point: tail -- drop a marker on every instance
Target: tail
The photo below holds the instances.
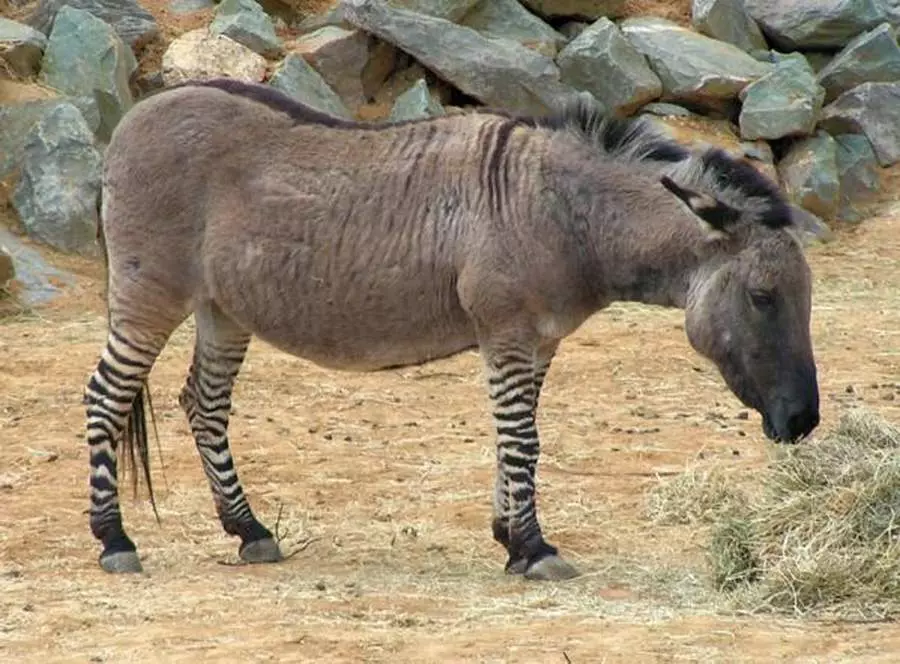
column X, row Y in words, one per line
column 134, row 437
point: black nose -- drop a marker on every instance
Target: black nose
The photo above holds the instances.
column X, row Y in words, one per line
column 787, row 425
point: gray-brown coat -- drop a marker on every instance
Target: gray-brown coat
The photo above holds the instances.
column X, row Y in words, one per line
column 363, row 247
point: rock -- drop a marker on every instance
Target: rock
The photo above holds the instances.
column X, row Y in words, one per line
column 873, row 56
column 39, row 282
column 872, row 109
column 666, row 110
column 333, row 17
column 757, row 151
column 200, row 55
column 496, row 72
column 451, row 10
column 785, row 102
column 584, row 9
column 812, row 229
column 188, row 6
column 507, row 19
column 601, row 61
column 760, row 155
column 56, row 196
column 245, row 22
column 15, row 122
column 571, row 29
column 415, row 103
column 7, row 268
column 728, row 21
column 693, row 68
column 134, row 24
column 809, row 174
column 798, row 24
column 296, row 77
column 352, row 63
column 21, row 47
column 86, row 58
column 858, row 172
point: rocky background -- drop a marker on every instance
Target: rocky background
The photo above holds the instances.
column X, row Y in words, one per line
column 809, row 90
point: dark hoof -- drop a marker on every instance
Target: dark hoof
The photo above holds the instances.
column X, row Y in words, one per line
column 261, row 551
column 550, row 568
column 121, row 562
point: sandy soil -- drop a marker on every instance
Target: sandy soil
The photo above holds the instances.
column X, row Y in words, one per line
column 385, row 478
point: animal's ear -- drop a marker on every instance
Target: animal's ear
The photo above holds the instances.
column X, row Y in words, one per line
column 717, row 217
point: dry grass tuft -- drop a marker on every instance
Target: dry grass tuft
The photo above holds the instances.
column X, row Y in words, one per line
column 695, row 496
column 823, row 534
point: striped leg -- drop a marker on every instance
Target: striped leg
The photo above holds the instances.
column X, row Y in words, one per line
column 206, row 399
column 111, row 392
column 542, row 359
column 512, row 384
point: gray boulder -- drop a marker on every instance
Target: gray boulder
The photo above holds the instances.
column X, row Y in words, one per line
column 15, row 122
column 584, row 9
column 798, row 24
column 871, row 57
column 7, row 268
column 809, row 174
column 134, row 24
column 872, row 109
column 693, row 68
column 601, row 61
column 666, row 110
column 56, row 196
column 496, row 72
column 507, row 19
column 247, row 23
column 39, row 281
column 451, row 10
column 858, row 172
column 296, row 77
column 188, row 6
column 86, row 58
column 21, row 47
column 812, row 229
column 351, row 62
column 728, row 21
column 415, row 103
column 783, row 103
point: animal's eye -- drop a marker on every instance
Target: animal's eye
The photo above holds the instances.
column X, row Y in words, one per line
column 762, row 299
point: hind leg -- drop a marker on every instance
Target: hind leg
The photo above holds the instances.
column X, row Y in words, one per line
column 206, row 399
column 109, row 396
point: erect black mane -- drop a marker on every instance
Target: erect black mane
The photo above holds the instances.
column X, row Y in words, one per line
column 627, row 138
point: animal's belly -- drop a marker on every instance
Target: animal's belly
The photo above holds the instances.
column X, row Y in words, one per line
column 358, row 326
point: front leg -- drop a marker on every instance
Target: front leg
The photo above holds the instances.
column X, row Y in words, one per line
column 512, row 386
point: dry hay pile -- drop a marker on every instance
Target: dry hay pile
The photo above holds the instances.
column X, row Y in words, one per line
column 818, row 530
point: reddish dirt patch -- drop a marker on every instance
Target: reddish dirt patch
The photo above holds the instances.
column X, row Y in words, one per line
column 678, row 11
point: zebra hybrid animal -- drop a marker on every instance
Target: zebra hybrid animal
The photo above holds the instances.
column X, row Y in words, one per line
column 364, row 247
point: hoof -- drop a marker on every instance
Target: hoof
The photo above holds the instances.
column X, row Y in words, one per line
column 121, row 562
column 517, row 566
column 550, row 568
column 261, row 551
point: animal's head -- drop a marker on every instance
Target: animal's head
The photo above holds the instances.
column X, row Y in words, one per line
column 748, row 309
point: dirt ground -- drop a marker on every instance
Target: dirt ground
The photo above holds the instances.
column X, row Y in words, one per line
column 386, row 479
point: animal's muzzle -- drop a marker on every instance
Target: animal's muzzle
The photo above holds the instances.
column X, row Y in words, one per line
column 788, row 423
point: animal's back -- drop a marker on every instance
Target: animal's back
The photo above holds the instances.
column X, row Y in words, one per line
column 341, row 248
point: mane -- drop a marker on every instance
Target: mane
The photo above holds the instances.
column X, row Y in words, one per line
column 711, row 170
